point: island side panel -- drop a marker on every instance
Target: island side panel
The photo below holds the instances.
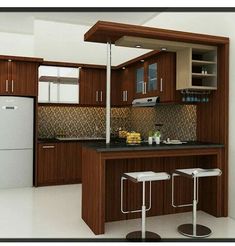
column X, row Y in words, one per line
column 161, row 196
column 211, row 193
column 93, row 190
column 212, row 117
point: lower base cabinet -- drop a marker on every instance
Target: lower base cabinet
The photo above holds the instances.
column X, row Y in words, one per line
column 58, row 163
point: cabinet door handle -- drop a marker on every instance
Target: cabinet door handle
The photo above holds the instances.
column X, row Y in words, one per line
column 7, row 85
column 48, row 147
column 145, row 88
column 143, row 85
column 123, row 96
column 161, row 88
column 96, row 96
column 126, row 96
column 101, row 96
column 12, row 85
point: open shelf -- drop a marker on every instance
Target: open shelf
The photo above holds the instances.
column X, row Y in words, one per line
column 202, row 75
column 201, row 63
column 197, row 68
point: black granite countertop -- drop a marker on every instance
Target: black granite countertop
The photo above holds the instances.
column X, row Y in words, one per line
column 81, row 139
column 122, row 146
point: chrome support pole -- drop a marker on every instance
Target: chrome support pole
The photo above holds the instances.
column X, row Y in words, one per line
column 195, row 206
column 143, row 212
column 108, row 89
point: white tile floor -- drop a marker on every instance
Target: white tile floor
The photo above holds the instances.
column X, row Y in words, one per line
column 55, row 212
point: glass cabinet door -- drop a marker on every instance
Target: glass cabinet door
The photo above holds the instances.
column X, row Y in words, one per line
column 152, row 77
column 139, row 79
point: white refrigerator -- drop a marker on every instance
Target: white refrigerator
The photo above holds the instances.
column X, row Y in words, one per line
column 16, row 141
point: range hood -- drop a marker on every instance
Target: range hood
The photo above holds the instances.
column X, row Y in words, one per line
column 146, row 102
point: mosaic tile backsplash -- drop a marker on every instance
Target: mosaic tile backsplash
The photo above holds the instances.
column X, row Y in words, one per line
column 179, row 121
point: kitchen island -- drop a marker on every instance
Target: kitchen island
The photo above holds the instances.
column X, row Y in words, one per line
column 103, row 165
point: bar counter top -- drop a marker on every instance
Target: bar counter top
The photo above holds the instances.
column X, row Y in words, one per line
column 121, row 146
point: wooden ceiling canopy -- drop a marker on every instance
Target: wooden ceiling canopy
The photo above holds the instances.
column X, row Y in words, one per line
column 103, row 32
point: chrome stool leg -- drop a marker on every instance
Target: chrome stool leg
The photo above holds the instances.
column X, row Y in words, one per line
column 194, row 230
column 142, row 235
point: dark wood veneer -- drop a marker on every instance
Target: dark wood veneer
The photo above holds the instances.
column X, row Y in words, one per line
column 101, row 172
column 104, row 32
column 61, row 163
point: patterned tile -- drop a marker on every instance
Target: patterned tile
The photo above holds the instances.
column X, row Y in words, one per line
column 179, row 121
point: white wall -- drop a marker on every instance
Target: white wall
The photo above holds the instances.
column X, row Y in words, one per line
column 16, row 44
column 221, row 24
column 64, row 42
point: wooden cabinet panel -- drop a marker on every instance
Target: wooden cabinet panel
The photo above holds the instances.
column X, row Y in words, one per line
column 115, row 88
column 18, row 78
column 122, row 87
column 69, row 163
column 102, row 87
column 92, row 86
column 24, row 78
column 47, row 164
column 127, row 85
column 85, row 86
column 4, row 77
column 167, row 77
column 59, row 163
column 163, row 84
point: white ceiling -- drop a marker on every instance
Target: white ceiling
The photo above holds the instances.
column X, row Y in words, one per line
column 20, row 22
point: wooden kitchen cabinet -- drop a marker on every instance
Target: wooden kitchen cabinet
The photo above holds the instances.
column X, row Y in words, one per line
column 167, row 75
column 47, row 169
column 92, row 86
column 4, row 83
column 24, row 78
column 18, row 77
column 115, row 88
column 69, row 163
column 156, row 77
column 122, row 88
column 59, row 163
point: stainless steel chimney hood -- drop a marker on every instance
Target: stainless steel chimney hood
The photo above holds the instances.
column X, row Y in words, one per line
column 146, row 102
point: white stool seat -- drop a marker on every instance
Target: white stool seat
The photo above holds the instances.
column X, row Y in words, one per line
column 199, row 172
column 146, row 176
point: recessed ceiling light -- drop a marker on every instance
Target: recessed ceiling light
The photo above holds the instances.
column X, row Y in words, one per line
column 123, row 68
column 142, row 60
column 138, row 46
column 163, row 49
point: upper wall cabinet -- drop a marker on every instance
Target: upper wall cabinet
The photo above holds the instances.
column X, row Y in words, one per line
column 156, row 77
column 146, row 78
column 122, row 86
column 18, row 77
column 197, row 68
column 58, row 84
column 93, row 86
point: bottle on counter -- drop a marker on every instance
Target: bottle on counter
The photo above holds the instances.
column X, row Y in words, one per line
column 157, row 137
column 150, row 138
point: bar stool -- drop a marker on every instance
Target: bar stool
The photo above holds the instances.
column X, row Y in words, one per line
column 193, row 230
column 143, row 177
